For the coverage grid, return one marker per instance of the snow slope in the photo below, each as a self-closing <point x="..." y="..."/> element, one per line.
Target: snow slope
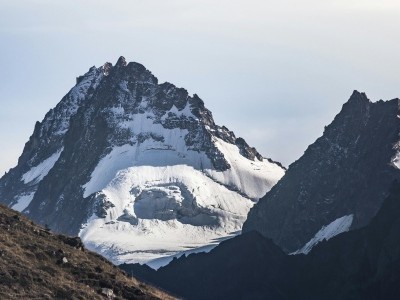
<point x="327" y="232"/>
<point x="23" y="202"/>
<point x="37" y="173"/>
<point x="31" y="179"/>
<point x="163" y="203"/>
<point x="254" y="178"/>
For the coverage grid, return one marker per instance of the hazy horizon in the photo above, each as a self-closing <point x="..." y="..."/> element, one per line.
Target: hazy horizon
<point x="275" y="73"/>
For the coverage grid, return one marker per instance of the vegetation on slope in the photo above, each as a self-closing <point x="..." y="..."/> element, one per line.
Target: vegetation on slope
<point x="37" y="264"/>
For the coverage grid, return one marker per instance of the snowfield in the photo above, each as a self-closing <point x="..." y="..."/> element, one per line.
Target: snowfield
<point x="158" y="212"/>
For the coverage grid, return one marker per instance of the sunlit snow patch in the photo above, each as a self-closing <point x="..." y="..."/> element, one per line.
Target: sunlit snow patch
<point x="327" y="232"/>
<point x="37" y="173"/>
<point x="253" y="178"/>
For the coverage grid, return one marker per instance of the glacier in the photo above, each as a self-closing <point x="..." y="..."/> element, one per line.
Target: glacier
<point x="166" y="199"/>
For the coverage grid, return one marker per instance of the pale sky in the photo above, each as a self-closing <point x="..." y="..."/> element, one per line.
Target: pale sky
<point x="274" y="72"/>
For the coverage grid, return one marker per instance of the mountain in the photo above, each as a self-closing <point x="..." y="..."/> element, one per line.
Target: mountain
<point x="138" y="169"/>
<point x="360" y="264"/>
<point x="340" y="181"/>
<point x="37" y="264"/>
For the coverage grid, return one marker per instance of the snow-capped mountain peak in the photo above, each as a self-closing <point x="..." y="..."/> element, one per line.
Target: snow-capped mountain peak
<point x="139" y="169"/>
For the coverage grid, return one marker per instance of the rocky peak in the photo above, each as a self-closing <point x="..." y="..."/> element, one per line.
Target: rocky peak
<point x="106" y="68"/>
<point x="248" y="152"/>
<point x="346" y="172"/>
<point x="358" y="97"/>
<point x="121" y="62"/>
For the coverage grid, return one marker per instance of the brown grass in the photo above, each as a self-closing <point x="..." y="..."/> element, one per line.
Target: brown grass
<point x="31" y="266"/>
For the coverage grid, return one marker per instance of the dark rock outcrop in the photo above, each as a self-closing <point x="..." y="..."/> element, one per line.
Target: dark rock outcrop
<point x="346" y="171"/>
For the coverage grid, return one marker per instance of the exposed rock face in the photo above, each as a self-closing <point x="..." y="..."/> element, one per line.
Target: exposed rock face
<point x="346" y="172"/>
<point x="47" y="141"/>
<point x="123" y="153"/>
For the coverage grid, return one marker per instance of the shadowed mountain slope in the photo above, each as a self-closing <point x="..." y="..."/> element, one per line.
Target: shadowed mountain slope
<point x="341" y="180"/>
<point x="360" y="264"/>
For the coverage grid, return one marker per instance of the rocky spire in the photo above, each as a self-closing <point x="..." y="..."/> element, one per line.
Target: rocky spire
<point x="121" y="62"/>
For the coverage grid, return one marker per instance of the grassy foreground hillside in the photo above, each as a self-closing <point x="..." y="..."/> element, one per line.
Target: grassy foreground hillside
<point x="37" y="264"/>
